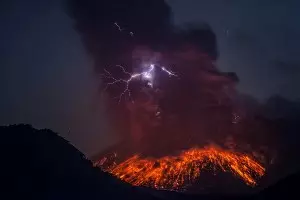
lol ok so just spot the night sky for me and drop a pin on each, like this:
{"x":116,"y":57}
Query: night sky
{"x":47,"y":77}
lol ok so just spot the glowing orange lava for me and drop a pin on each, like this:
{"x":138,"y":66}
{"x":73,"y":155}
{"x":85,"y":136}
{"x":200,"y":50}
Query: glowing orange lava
{"x":176,"y":172}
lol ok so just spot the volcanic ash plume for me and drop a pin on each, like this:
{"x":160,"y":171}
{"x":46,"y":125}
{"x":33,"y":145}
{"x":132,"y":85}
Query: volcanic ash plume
{"x":166,"y":95}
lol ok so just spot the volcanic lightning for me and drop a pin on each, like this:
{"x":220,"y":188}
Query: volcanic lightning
{"x":147,"y":75}
{"x":117,"y":25}
{"x":177,"y":172}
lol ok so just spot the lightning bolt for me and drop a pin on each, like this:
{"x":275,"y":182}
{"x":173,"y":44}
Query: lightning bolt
{"x":117,"y":25}
{"x":121,"y":29}
{"x":170,"y":73}
{"x":147,"y":75}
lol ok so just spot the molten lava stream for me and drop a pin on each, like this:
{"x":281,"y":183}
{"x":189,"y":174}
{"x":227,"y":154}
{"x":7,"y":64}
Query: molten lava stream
{"x":175,"y":172}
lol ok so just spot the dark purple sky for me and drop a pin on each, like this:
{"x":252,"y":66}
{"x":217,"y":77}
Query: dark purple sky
{"x":47,"y":78}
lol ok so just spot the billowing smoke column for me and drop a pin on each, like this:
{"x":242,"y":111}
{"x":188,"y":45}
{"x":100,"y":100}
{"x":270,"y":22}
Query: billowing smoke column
{"x":119,"y":33}
{"x":164,"y":89}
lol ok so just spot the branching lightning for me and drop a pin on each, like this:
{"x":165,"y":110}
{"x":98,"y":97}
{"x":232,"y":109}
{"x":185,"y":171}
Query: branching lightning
{"x":147,"y":75}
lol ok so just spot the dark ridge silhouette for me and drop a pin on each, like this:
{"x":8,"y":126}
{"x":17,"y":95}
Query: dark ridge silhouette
{"x":39,"y":164}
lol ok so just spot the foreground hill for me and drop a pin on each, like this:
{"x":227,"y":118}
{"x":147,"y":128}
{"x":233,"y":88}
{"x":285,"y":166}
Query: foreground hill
{"x":39,"y":164}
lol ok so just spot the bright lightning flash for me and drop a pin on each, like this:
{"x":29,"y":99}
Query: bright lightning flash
{"x":147,"y":75}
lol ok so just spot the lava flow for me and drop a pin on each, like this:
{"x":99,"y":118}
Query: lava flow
{"x":177,"y":172}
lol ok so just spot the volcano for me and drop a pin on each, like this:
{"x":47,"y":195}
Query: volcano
{"x":179,"y":135}
{"x":180,"y":172}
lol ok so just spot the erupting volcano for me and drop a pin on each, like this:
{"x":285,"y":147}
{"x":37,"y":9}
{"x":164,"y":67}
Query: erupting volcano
{"x":166,"y":95}
{"x":177,"y":172}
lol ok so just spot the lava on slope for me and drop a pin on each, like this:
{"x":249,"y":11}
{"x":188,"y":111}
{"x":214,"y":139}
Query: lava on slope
{"x":178,"y":172}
